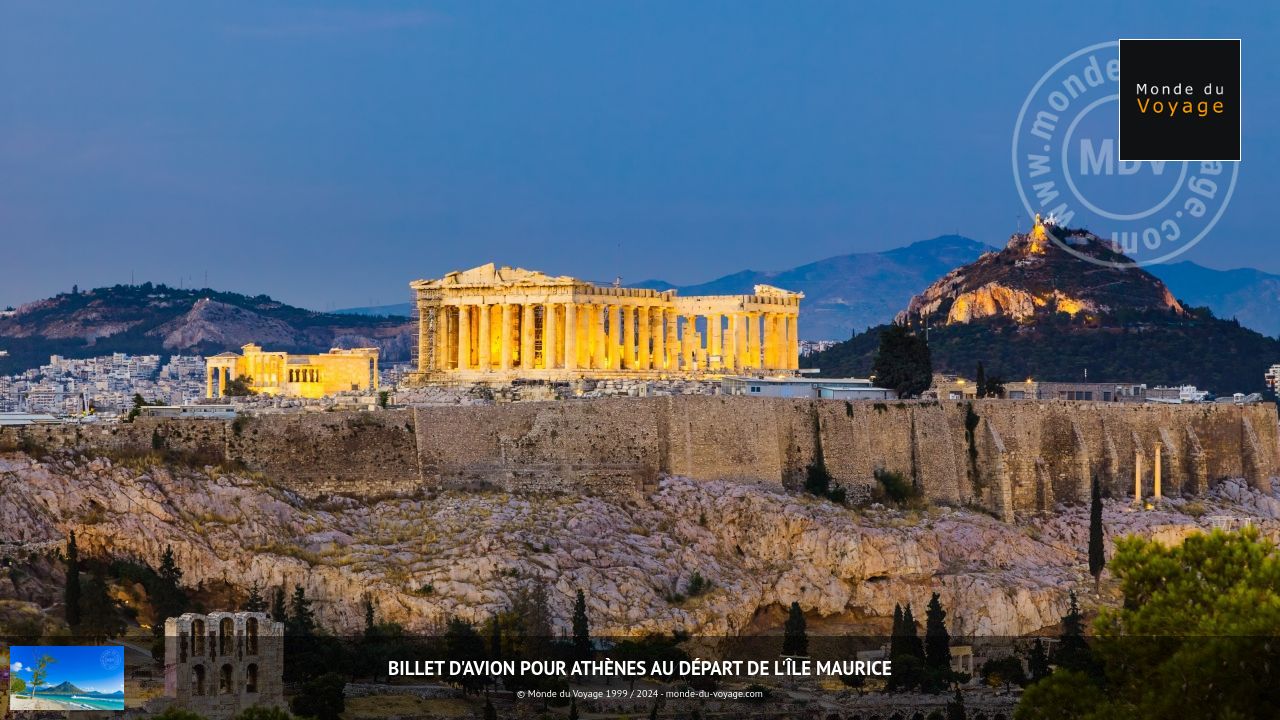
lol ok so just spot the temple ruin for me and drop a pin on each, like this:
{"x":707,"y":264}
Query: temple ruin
{"x":498,"y":324}
{"x":222,"y":663}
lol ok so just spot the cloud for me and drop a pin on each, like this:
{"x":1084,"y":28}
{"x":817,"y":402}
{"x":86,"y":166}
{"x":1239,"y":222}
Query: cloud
{"x":326,"y":22}
{"x":17,"y":667}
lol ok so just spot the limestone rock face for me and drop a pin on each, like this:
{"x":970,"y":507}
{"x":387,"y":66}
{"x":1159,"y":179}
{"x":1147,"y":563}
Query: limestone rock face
{"x":464,"y":554}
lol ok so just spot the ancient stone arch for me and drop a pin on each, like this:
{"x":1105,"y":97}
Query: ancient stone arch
{"x":236,"y":662}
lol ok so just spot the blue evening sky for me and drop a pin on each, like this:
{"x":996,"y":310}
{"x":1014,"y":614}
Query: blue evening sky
{"x":328,"y":153}
{"x":81,"y":666}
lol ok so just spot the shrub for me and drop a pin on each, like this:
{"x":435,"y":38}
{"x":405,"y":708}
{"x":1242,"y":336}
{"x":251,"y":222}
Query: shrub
{"x":895,"y":487}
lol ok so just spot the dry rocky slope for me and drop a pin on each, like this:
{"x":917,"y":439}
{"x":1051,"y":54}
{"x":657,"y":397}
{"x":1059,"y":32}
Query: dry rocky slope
{"x":456,"y":553}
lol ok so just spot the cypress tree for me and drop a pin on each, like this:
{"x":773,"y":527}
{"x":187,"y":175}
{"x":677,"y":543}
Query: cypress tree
{"x":278,"y":612}
{"x":495,"y":638}
{"x":255,"y":602}
{"x":955,"y":708}
{"x":368,"y":616}
{"x":302,"y":621}
{"x":937,"y":644}
{"x":1038,"y":662}
{"x":981,"y":381}
{"x":1073,"y":651}
{"x":582,"y":648}
{"x":71,"y":596}
{"x":795,"y":641}
{"x":895,"y":638}
{"x":1097,"y":555}
{"x":912,"y":644}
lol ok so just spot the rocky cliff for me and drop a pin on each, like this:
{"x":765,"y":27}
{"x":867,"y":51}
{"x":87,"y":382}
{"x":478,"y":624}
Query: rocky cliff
{"x":456,"y":553}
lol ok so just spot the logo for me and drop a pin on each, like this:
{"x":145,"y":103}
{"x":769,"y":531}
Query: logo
{"x":111,"y":658}
{"x":1067,"y":167}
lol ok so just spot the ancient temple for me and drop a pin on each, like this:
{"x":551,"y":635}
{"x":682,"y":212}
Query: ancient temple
{"x":501,"y":324}
{"x":273,"y":372}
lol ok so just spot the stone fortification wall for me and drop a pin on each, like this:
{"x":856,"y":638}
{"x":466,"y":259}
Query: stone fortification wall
{"x":1008,"y":456}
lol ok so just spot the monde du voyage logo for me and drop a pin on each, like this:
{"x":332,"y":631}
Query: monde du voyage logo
{"x":1134,"y":140}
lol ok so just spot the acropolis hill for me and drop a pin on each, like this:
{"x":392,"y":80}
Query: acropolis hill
{"x":1010,"y":457}
{"x":497,"y":324}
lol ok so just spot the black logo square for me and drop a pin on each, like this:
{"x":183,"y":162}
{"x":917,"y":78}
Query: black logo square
{"x":1179,"y":99}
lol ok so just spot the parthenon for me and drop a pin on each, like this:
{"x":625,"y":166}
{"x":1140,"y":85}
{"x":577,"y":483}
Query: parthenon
{"x":497,"y":324}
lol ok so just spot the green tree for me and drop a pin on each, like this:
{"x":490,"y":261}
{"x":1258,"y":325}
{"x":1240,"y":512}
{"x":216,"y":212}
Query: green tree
{"x":367,"y":602}
{"x":255,"y":602}
{"x":1073,"y":651}
{"x":40,"y":673}
{"x":169,"y":599}
{"x":795,"y":639}
{"x":99,"y":619}
{"x":903,"y":363}
{"x":1193,"y":638}
{"x":955,"y":708}
{"x":463,"y":644}
{"x":937,"y":646}
{"x":278,"y":611}
{"x":301,"y":621}
{"x":582,"y":649}
{"x":71,"y":594}
{"x":321,"y":698}
{"x":1037,"y":662}
{"x":1097,"y":551}
{"x":980,"y":381}
{"x":1003,"y":671}
{"x":16,"y":685}
{"x":240,"y":386}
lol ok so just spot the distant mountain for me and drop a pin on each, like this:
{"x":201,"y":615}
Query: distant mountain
{"x":396,"y":310}
{"x":96,"y":693}
{"x":62,"y":688}
{"x":155,"y":319}
{"x":1248,"y":295}
{"x":1034,"y":310}
{"x":849,"y":292}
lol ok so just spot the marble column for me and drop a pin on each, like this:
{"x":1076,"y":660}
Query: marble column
{"x":424,"y":320}
{"x":614,"y":359}
{"x":753,"y":340}
{"x":658,"y":328}
{"x":550,"y":326}
{"x":485,"y":344}
{"x":769,"y":339}
{"x":793,"y":341}
{"x":570,"y":336}
{"x":528,"y":325}
{"x":444,"y":338}
{"x":642,"y":343}
{"x":599,"y":340}
{"x":505,"y":339}
{"x":673,"y":340}
{"x":208,"y":381}
{"x":729,"y":348}
{"x":628,"y":337}
{"x":464,"y":337}
{"x":689,"y":343}
{"x":715,"y":344}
